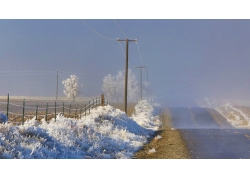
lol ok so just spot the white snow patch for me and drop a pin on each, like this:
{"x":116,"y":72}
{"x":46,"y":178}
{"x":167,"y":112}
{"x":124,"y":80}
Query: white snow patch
{"x":107,"y":133}
{"x":235,"y":116}
{"x":158,"y":137}
{"x":150,"y":151}
{"x":147,"y":115}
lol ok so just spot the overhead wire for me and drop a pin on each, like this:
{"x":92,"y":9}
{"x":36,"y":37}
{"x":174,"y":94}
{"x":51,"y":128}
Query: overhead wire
{"x":24,"y":71}
{"x":120,"y":28}
{"x":105,"y":36}
{"x":27,"y":74}
{"x":96,"y":31}
{"x":139,"y":53}
{"x":80,"y":73}
{"x":112,"y":38}
{"x":121,"y":48}
{"x":135,"y":42}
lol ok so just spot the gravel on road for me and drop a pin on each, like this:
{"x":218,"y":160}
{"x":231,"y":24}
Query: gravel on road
{"x":167,"y":142}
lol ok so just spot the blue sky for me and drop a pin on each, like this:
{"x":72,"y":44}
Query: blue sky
{"x":187,"y":59}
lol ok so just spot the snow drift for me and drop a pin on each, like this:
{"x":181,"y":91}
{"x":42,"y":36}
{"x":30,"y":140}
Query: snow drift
{"x":235,"y":116}
{"x":106,"y":133}
{"x":3,"y":118}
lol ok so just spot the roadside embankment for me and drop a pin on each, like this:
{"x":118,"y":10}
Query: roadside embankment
{"x":167,"y":143}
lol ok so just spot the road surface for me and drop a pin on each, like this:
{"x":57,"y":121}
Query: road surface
{"x":208,"y":135}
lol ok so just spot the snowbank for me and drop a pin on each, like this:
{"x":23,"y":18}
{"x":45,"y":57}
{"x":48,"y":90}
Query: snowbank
{"x":3,"y":118}
{"x":147,"y":115}
{"x":105,"y":133}
{"x":235,"y":116}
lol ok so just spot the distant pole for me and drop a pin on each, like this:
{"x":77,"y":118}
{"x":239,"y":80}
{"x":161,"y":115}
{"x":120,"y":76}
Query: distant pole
{"x":140,"y":76}
{"x":8,"y":104}
{"x":56,"y":84}
{"x":126,"y":73}
{"x":147,"y":84}
{"x":23,"y":111}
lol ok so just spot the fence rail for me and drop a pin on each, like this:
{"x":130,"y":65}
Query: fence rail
{"x":18,"y":113}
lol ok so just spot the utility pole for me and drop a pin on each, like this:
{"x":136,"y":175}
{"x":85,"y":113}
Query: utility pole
{"x":56,"y":84}
{"x":141,"y":76}
{"x":126,"y":73}
{"x":147,"y":84}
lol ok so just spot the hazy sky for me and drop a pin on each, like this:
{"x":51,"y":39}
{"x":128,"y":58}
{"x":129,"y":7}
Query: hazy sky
{"x":187,"y":59}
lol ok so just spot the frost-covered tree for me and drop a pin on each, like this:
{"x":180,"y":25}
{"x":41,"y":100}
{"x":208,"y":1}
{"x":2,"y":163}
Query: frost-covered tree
{"x":72,"y":87}
{"x":113,"y":86}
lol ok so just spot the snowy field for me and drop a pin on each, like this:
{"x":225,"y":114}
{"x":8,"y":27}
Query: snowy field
{"x":37,"y":98}
{"x":237,"y":116}
{"x":107,"y":133}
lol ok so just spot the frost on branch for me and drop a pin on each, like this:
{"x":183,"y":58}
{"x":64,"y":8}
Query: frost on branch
{"x":72,"y":87}
{"x":113,"y":86}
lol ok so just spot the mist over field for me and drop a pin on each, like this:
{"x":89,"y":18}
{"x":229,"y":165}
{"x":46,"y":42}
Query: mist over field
{"x":186,"y":60}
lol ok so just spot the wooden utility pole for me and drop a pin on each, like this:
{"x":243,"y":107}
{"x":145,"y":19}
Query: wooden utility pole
{"x":147,"y":84}
{"x":56,"y":84}
{"x":140,"y":76}
{"x":126,"y":73}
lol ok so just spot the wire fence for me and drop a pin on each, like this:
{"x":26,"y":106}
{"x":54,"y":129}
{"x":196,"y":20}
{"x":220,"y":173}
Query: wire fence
{"x":20,"y":111}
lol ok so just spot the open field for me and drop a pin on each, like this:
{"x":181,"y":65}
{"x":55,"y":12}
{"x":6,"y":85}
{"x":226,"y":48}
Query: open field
{"x":38,"y":98}
{"x":63,"y":105}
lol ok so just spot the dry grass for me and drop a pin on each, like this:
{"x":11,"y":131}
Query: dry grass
{"x":170,"y":146}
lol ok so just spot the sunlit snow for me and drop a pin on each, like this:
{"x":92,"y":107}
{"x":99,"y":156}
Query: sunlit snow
{"x":107,"y":133}
{"x":234,"y":115}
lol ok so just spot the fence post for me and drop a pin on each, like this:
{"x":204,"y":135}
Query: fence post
{"x":89,"y":106}
{"x":81,"y":113}
{"x":23,"y":111}
{"x":8,"y":102}
{"x":102,"y":100}
{"x":69,"y":109}
{"x":76,"y":111}
{"x":85,"y":109}
{"x":55,"y":110}
{"x":36,"y":110}
{"x":63,"y":108}
{"x":46,"y":115}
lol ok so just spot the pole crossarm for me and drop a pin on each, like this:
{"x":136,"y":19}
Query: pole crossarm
{"x":129,"y":40}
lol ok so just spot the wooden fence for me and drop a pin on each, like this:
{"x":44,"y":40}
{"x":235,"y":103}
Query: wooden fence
{"x":18,"y":112}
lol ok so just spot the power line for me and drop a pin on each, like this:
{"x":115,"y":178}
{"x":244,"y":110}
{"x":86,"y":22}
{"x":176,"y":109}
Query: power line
{"x":127,"y":37}
{"x":26,"y":71}
{"x":139,"y":52}
{"x":140,"y":77}
{"x":26,"y":74}
{"x":121,"y":48}
{"x":120,"y":29}
{"x":64,"y":72}
{"x":96,"y":32}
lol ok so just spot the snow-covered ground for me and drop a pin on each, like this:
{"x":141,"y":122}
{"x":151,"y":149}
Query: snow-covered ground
{"x":107,"y":133}
{"x":235,"y":115}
